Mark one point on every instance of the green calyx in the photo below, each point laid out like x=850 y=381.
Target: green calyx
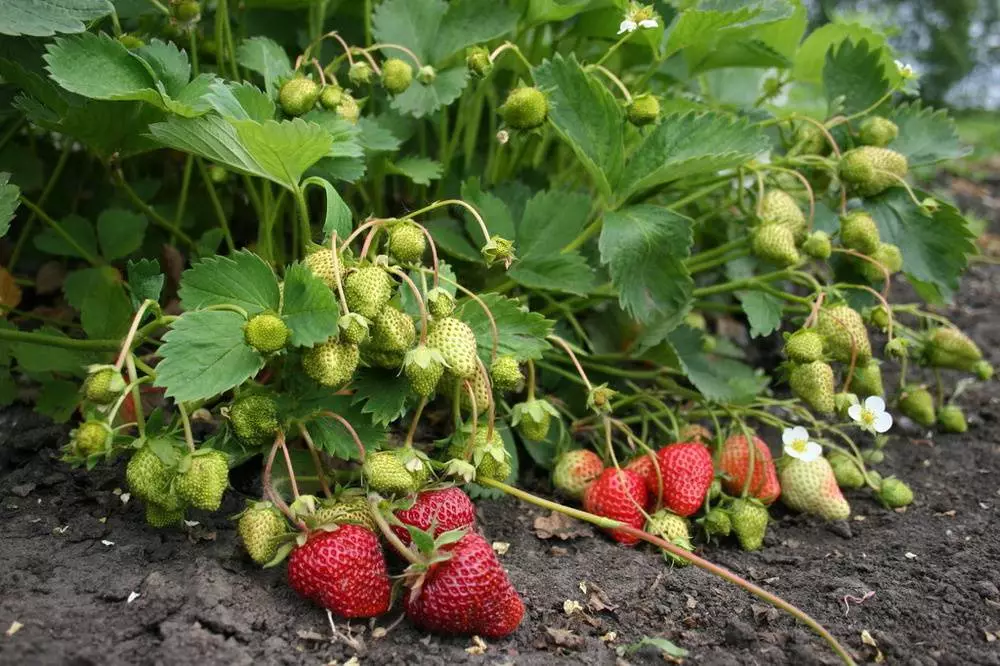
x=360 y=73
x=477 y=59
x=533 y=418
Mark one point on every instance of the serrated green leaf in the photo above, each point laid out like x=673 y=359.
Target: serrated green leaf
x=208 y=243
x=543 y=11
x=468 y=22
x=120 y=232
x=763 y=311
x=240 y=101
x=412 y=23
x=450 y=237
x=644 y=248
x=286 y=149
x=689 y=144
x=57 y=399
x=100 y=297
x=382 y=395
x=100 y=67
x=9 y=194
x=935 y=247
x=719 y=379
x=420 y=170
x=42 y=18
x=926 y=136
x=338 y=216
x=145 y=281
x=204 y=354
x=376 y=137
x=309 y=308
x=810 y=59
x=266 y=57
x=521 y=334
x=346 y=136
x=492 y=209
x=79 y=229
x=243 y=279
x=853 y=77
x=744 y=53
x=169 y=64
x=422 y=99
x=586 y=115
x=331 y=436
x=568 y=273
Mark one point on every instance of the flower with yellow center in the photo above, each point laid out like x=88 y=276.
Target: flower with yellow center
x=637 y=17
x=798 y=445
x=872 y=415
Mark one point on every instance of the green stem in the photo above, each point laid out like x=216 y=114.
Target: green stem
x=220 y=213
x=589 y=232
x=140 y=418
x=72 y=242
x=717 y=251
x=698 y=194
x=185 y=187
x=53 y=179
x=156 y=218
x=735 y=285
x=11 y=335
x=614 y=47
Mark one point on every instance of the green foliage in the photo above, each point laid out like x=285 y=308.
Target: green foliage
x=243 y=280
x=41 y=18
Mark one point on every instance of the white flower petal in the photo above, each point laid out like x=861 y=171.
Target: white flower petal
x=883 y=422
x=647 y=23
x=790 y=435
x=792 y=452
x=875 y=404
x=628 y=25
x=812 y=452
x=854 y=411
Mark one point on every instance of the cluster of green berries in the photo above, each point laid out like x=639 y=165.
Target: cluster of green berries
x=169 y=481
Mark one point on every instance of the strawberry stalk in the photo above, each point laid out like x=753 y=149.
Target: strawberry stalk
x=390 y=536
x=335 y=254
x=420 y=302
x=269 y=490
x=721 y=572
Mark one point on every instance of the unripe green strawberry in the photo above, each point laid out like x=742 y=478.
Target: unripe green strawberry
x=490 y=456
x=266 y=333
x=533 y=419
x=717 y=522
x=859 y=232
x=983 y=370
x=575 y=470
x=360 y=73
x=810 y=486
x=187 y=11
x=813 y=384
x=331 y=363
x=254 y=418
x=779 y=207
x=480 y=389
x=379 y=358
x=90 y=438
x=149 y=479
x=205 y=479
x=894 y=494
x=812 y=140
x=348 y=109
x=749 y=522
x=392 y=331
x=160 y=516
x=384 y=473
x=298 y=95
x=898 y=348
x=643 y=110
x=407 y=243
x=696 y=320
x=322 y=266
x=878 y=131
x=818 y=245
x=951 y=348
x=842 y=329
x=367 y=290
x=951 y=418
x=440 y=303
x=423 y=367
x=354 y=329
x=396 y=75
x=776 y=244
x=846 y=471
x=873 y=457
x=843 y=401
x=477 y=59
x=804 y=346
x=457 y=344
x=426 y=74
x=260 y=528
x=331 y=96
x=887 y=255
x=918 y=403
x=868 y=379
x=347 y=510
x=673 y=528
x=879 y=317
x=104 y=384
x=505 y=373
x=130 y=41
x=870 y=170
x=525 y=108
x=218 y=174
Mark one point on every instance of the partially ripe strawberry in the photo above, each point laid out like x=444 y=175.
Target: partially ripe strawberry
x=673 y=528
x=343 y=571
x=878 y=131
x=467 y=594
x=734 y=463
x=776 y=244
x=260 y=527
x=525 y=108
x=298 y=95
x=870 y=170
x=407 y=243
x=842 y=329
x=266 y=333
x=575 y=470
x=749 y=522
x=951 y=418
x=811 y=487
x=781 y=208
x=620 y=495
x=331 y=364
x=859 y=232
x=396 y=75
x=457 y=343
x=804 y=346
x=437 y=512
x=367 y=290
x=203 y=479
x=687 y=473
x=643 y=110
x=813 y=383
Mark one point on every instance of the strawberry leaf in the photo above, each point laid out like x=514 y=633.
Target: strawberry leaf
x=382 y=396
x=763 y=311
x=80 y=230
x=145 y=281
x=266 y=57
x=853 y=77
x=9 y=194
x=719 y=379
x=468 y=22
x=57 y=399
x=521 y=333
x=120 y=232
x=41 y=18
x=205 y=355
x=309 y=307
x=338 y=216
x=243 y=279
x=422 y=99
x=98 y=294
x=926 y=136
x=35 y=357
x=420 y=170
x=330 y=435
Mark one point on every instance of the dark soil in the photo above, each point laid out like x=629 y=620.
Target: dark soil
x=73 y=557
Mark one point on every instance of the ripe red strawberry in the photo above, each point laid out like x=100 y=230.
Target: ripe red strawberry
x=619 y=495
x=343 y=570
x=443 y=510
x=468 y=593
x=735 y=461
x=687 y=473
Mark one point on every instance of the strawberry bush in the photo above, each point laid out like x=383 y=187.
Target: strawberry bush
x=385 y=251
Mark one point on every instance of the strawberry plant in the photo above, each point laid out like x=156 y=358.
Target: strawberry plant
x=384 y=250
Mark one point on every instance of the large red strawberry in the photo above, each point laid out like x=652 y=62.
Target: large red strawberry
x=467 y=593
x=443 y=510
x=687 y=475
x=620 y=495
x=343 y=570
x=734 y=462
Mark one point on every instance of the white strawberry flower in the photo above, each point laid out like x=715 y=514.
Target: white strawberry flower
x=871 y=416
x=637 y=17
x=905 y=70
x=628 y=25
x=798 y=445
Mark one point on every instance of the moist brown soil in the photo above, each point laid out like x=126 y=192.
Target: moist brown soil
x=73 y=556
